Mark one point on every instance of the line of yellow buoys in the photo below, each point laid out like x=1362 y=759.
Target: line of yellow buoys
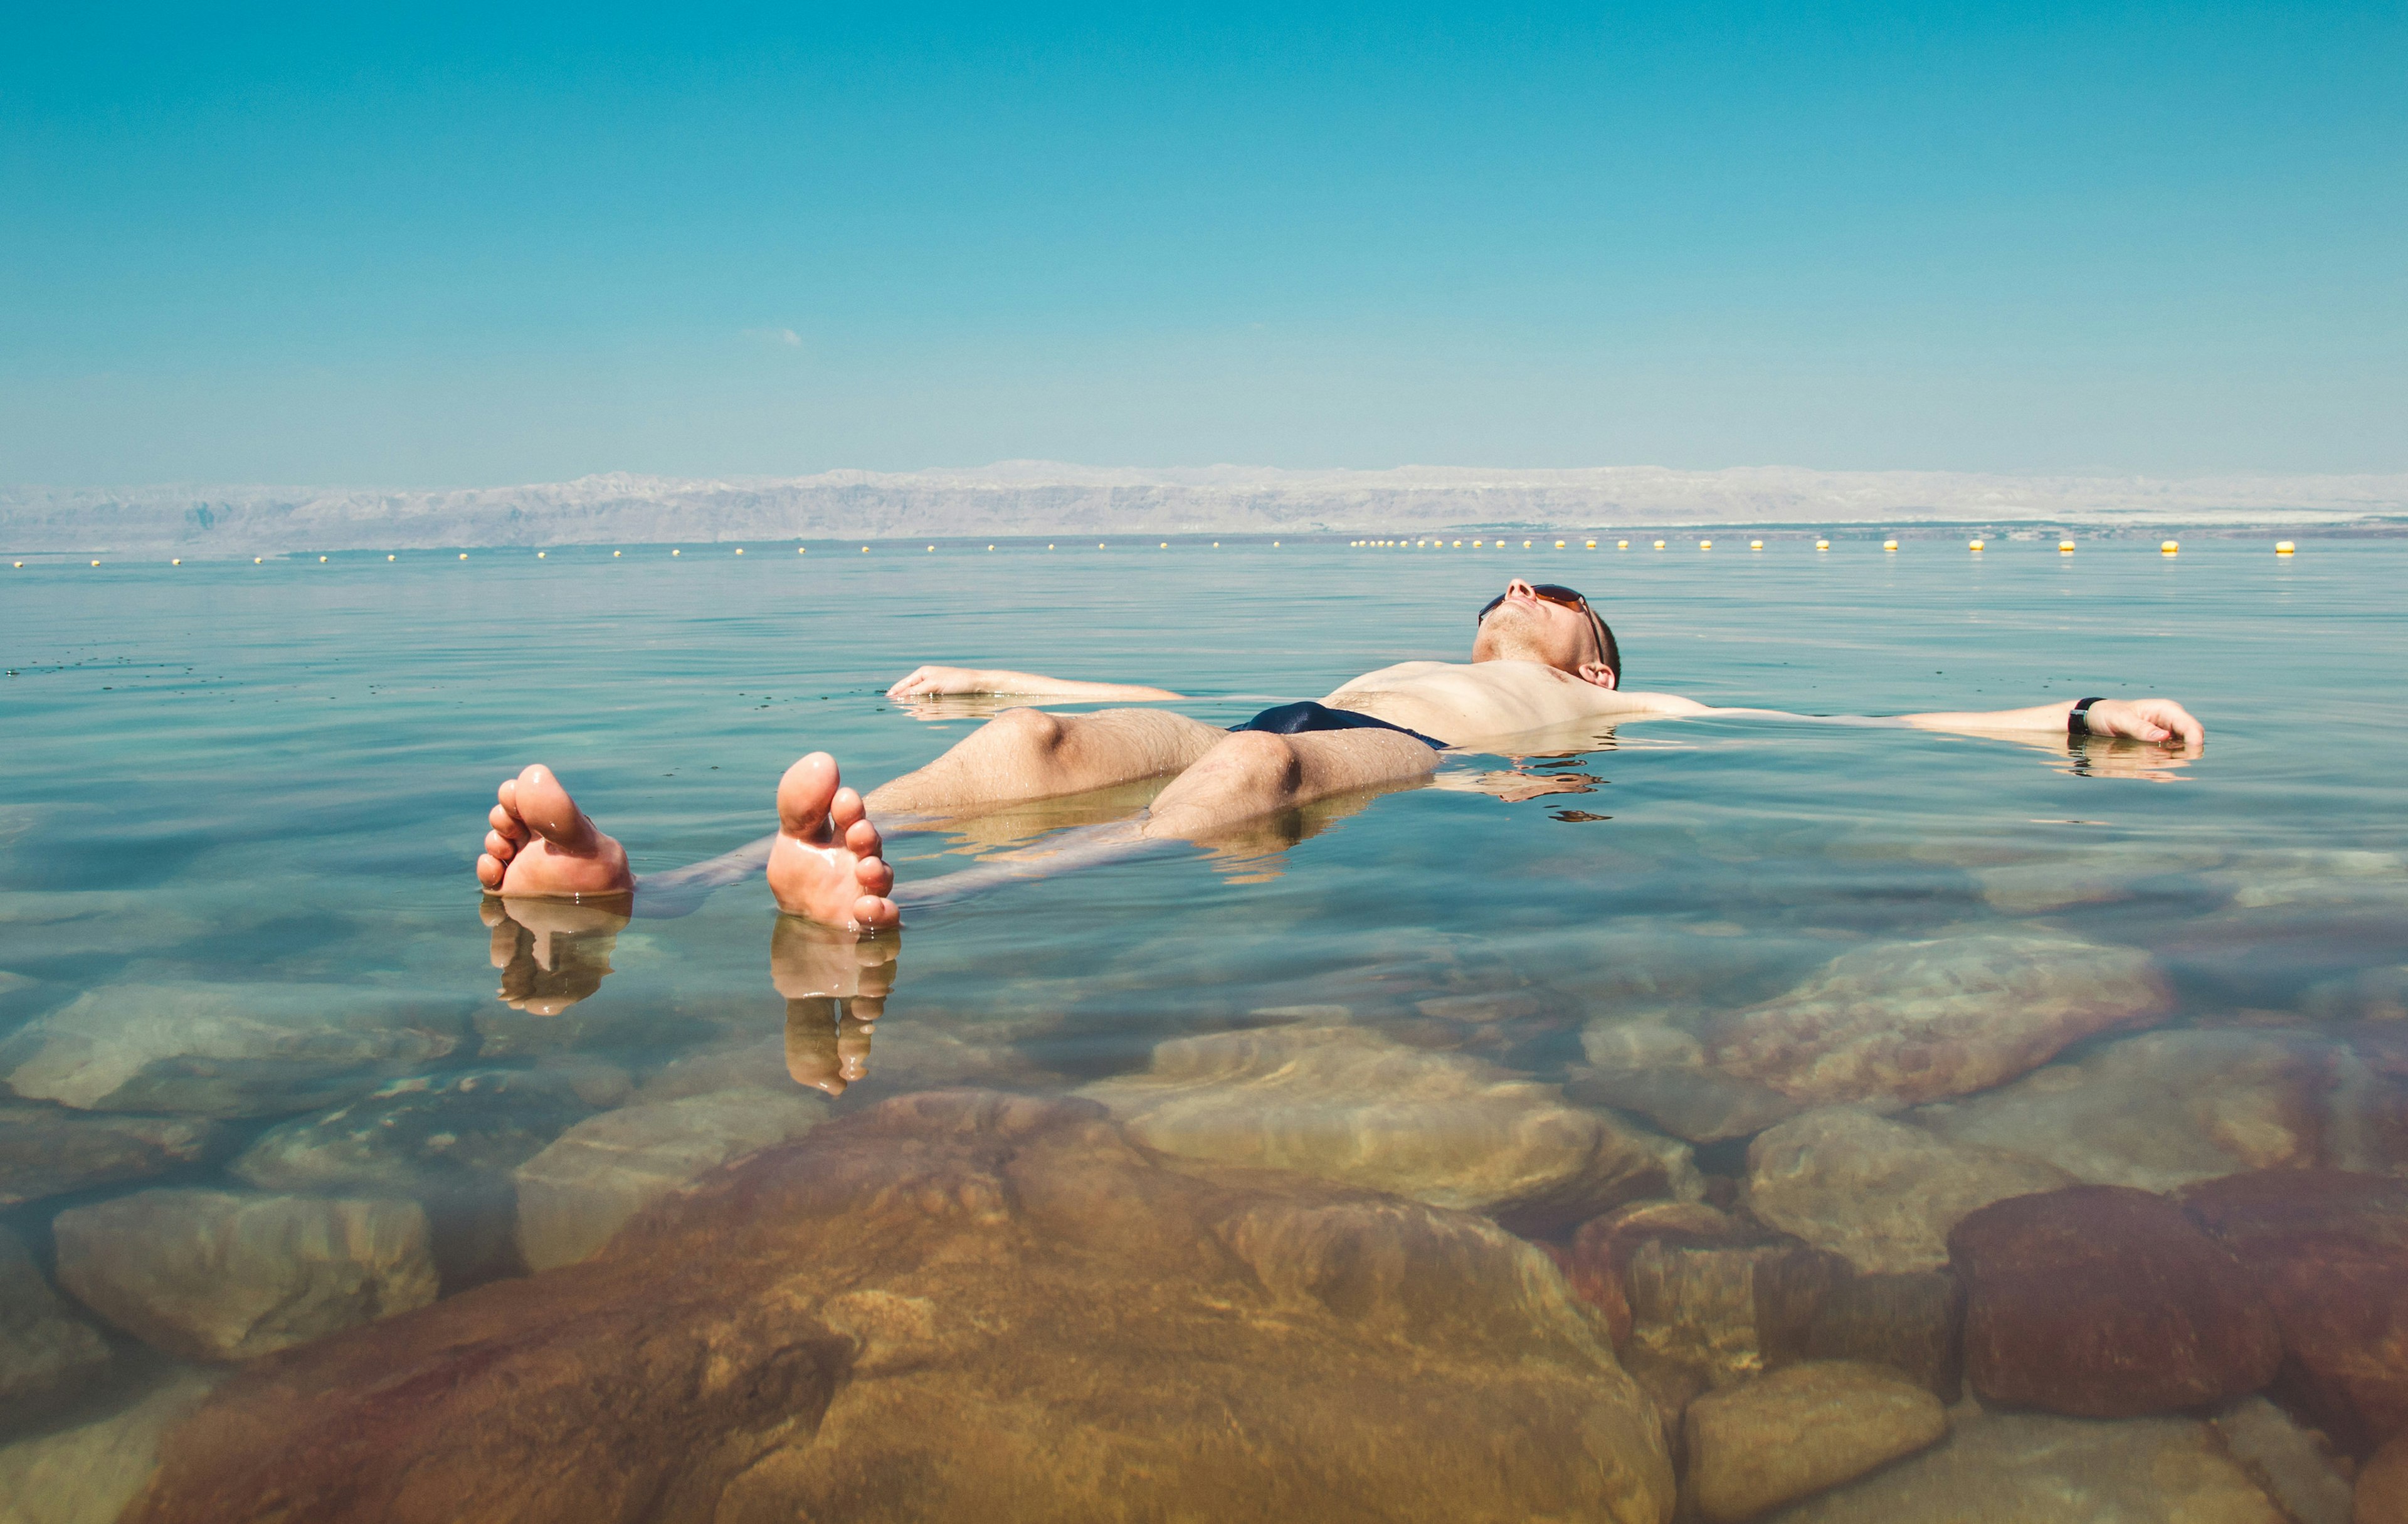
x=2065 y=547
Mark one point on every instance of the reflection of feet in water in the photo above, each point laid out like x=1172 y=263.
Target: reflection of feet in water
x=542 y=844
x=553 y=953
x=835 y=984
x=825 y=863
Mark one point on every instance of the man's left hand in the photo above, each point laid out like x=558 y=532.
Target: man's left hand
x=2145 y=719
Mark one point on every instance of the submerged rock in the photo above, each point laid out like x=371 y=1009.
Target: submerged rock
x=47 y=1358
x=962 y=1305
x=213 y=1275
x=2383 y=1486
x=53 y=1150
x=1798 y=1431
x=2032 y=1468
x=1880 y=1194
x=88 y=1474
x=224 y=1050
x=585 y=1185
x=1906 y=1022
x=1659 y=1071
x=447 y=1142
x=1726 y=1313
x=1348 y=1104
x=2102 y=1301
x=2294 y=1465
x=2164 y=1108
x=1598 y=1262
x=1911 y=1322
x=2329 y=1248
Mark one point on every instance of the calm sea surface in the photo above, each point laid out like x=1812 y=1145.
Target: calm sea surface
x=262 y=785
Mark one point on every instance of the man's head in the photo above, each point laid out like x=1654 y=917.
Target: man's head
x=1551 y=625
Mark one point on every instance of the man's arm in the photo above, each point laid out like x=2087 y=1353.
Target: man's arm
x=933 y=682
x=2139 y=719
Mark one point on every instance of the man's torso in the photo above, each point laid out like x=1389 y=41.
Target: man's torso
x=1459 y=703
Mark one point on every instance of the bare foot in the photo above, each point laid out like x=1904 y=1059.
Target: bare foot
x=825 y=863
x=541 y=844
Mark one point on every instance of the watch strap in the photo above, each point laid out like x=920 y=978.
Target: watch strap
x=2078 y=722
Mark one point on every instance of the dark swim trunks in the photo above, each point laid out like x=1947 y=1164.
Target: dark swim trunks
x=1309 y=714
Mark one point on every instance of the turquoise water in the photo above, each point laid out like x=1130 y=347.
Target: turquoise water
x=275 y=775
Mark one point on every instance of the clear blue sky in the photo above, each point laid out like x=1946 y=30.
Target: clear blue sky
x=505 y=245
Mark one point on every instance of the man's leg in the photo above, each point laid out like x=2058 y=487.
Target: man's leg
x=1026 y=754
x=1254 y=773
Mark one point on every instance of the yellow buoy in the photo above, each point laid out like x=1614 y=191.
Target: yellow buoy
x=1216 y=544
x=1275 y=545
x=1972 y=544
x=255 y=560
x=1592 y=544
x=865 y=549
x=674 y=553
x=739 y=550
x=2065 y=547
x=2282 y=547
x=464 y=554
x=1477 y=543
x=932 y=549
x=1756 y=544
x=2171 y=547
x=176 y=562
x=1705 y=544
x=614 y=553
x=1659 y=544
x=1890 y=544
x=321 y=558
x=1099 y=544
x=1526 y=544
x=990 y=547
x=1622 y=544
x=1822 y=544
x=538 y=556
x=1559 y=544
x=321 y=561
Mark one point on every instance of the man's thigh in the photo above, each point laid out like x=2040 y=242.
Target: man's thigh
x=1332 y=761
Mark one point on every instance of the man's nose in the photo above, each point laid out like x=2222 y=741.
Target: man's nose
x=1518 y=586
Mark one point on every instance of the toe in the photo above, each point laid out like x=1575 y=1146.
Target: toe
x=499 y=847
x=806 y=793
x=546 y=807
x=489 y=870
x=861 y=840
x=876 y=913
x=509 y=824
x=873 y=875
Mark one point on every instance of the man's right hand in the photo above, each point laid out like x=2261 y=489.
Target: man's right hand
x=935 y=682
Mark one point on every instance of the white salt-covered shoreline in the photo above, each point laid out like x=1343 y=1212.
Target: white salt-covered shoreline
x=1038 y=498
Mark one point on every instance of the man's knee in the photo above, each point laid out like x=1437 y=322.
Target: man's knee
x=1030 y=727
x=1256 y=756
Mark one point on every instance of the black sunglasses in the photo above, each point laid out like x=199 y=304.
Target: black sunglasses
x=1552 y=592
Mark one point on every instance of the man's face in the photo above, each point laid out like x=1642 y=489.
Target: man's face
x=1527 y=627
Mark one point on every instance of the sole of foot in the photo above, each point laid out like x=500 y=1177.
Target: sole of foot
x=542 y=845
x=826 y=865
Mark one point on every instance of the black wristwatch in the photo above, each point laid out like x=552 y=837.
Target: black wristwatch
x=2078 y=723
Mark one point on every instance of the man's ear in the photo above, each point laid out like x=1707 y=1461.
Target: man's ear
x=1599 y=673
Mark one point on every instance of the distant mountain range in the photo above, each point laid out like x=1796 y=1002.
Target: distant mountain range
x=1039 y=497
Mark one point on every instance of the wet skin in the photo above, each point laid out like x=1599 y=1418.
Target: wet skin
x=1535 y=663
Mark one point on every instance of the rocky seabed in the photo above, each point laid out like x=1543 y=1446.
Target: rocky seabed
x=1954 y=1230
